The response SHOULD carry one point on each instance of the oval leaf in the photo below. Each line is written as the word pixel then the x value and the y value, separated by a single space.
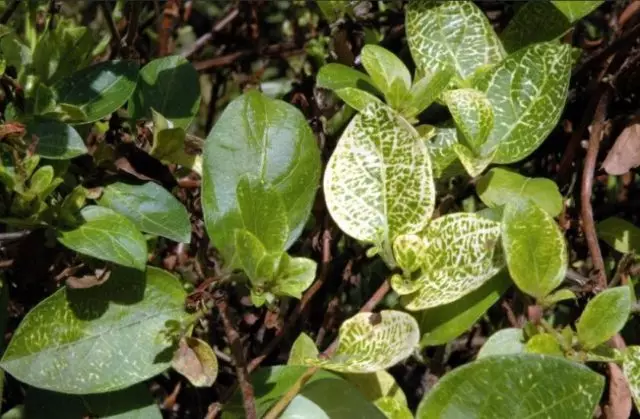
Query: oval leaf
pixel 534 248
pixel 151 208
pixel 388 73
pixel 55 140
pixel 336 76
pixel 503 342
pixel 196 361
pixel 98 90
pixel 472 113
pixel 619 234
pixel 99 339
pixel 370 342
pixel 106 235
pixel 515 386
pixel 303 348
pixel 356 98
pixel 604 316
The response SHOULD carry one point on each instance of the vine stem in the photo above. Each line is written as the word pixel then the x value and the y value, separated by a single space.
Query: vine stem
pixel 282 404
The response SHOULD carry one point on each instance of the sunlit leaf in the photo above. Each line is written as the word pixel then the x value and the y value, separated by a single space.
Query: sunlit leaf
pixel 503 342
pixel 631 370
pixel 393 409
pixel 472 114
pixel 356 98
pixel 604 316
pixel 388 72
pixel 441 150
pixel 544 344
pixel 409 251
pixel 303 348
pixel 55 140
pixel 425 91
pixel 473 163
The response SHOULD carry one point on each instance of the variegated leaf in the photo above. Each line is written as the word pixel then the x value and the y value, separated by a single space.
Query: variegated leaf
pixel 472 113
pixel 370 342
pixel 527 92
pixel 303 348
pixel 409 251
pixel 451 33
pixel 472 163
pixel 443 156
pixel 425 91
pixel 462 254
pixel 356 98
pixel 631 370
pixel 378 182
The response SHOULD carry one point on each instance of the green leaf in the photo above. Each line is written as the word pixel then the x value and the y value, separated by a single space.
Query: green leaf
pixel 461 256
pixel 473 163
pixel 61 51
pixel 604 316
pixel 534 247
pixel 472 113
pixel 560 295
pixel 269 141
pixel 576 10
pixel 500 186
pixel 106 235
pixel 15 51
pixel 393 409
pixel 98 90
pixel 99 339
pixel 442 324
pixel 619 234
pixel 441 150
pixel 425 91
pixel 171 86
pixel 544 344
pixel 503 342
pixel 527 92
pixel 388 73
pixel 131 403
pixel 336 76
pixel 151 208
pixel 377 385
pixel 250 252
pixel 196 361
pixel 409 251
pixel 303 348
pixel 169 144
pixel 294 276
pixel 370 342
pixel 453 33
pixel 356 98
pixel 631 371
pixel 515 386
pixel 378 182
pixel 55 140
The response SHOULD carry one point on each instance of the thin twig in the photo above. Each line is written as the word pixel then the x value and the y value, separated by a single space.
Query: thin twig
pixel 207 37
pixel 224 60
pixel 9 11
pixel 132 27
pixel 13 235
pixel 115 34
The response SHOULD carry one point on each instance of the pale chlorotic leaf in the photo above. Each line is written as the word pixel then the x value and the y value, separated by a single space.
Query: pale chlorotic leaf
pixel 170 86
pixel 370 342
pixel 151 208
pixel 196 361
pixel 303 348
pixel 514 386
pixel 453 34
pixel 99 339
pixel 393 409
pixel 356 98
pixel 388 72
pixel 527 92
pixel 503 342
pixel 473 163
pixel 55 140
pixel 604 316
pixel 631 370
pixel 500 186
pixel 98 90
pixel 534 247
pixel 462 254
pixel 269 141
pixel 472 114
pixel 619 234
pixel 378 183
pixel 377 385
pixel 409 251
pixel 440 325
pixel 130 403
pixel 441 151
pixel 336 76
pixel 544 344
pixel 425 91
pixel 106 235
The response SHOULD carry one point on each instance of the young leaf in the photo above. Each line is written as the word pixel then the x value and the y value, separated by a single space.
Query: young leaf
pixel 441 150
pixel 269 141
pixel 527 92
pixel 377 385
pixel 440 325
pixel 576 10
pixel 55 140
pixel 303 348
pixel 151 208
pixel 534 248
pixel 425 91
pixel 82 334
pixel 604 316
pixel 500 186
pixel 619 234
pixel 544 344
pixel 461 256
pixel 388 72
pixel 104 234
pixel 409 251
pixel 472 114
pixel 631 370
pixel 503 342
pixel 294 276
pixel 560 295
pixel 370 342
pixel 250 252
pixel 393 409
pixel 522 385
pixel 336 76
pixel 453 33
pixel 356 98
pixel 196 361
pixel 170 86
pixel 98 90
pixel 473 163
pixel 378 182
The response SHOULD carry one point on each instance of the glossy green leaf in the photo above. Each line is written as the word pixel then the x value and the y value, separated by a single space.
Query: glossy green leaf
pixel 151 208
pixel 170 86
pixel 104 234
pixel 388 72
pixel 270 142
pixel 99 339
pixel 196 361
pixel 55 140
pixel 631 370
pixel 441 150
pixel 500 186
pixel 527 92
pixel 604 316
pixel 294 276
pixel 619 234
pixel 356 98
pixel 336 76
pixel 425 91
pixel 453 33
pixel 370 342
pixel 440 325
pixel 503 342
pixel 170 144
pixel 472 114
pixel 560 295
pixel 462 254
pixel 515 386
pixel 534 247
pixel 378 182
pixel 544 344
pixel 131 403
pixel 576 10
pixel 98 90
pixel 303 348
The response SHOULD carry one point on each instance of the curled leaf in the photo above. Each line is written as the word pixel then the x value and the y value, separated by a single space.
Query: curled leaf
pixel 625 153
pixel 196 361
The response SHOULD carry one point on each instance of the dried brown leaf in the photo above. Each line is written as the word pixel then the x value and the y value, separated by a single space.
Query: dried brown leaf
pixel 625 153
pixel 196 361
